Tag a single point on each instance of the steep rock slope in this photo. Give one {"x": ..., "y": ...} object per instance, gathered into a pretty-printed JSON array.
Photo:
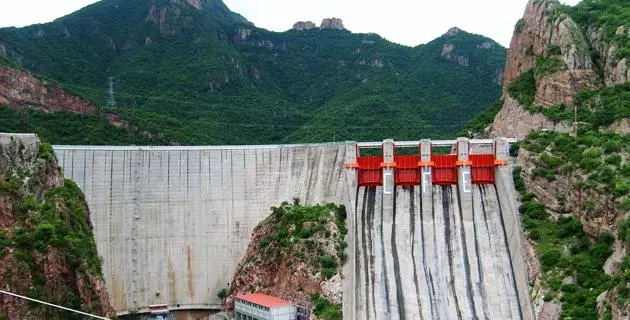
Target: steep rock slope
[
  {"x": 567, "y": 64},
  {"x": 552, "y": 58},
  {"x": 19, "y": 89},
  {"x": 201, "y": 74},
  {"x": 297, "y": 253},
  {"x": 47, "y": 248}
]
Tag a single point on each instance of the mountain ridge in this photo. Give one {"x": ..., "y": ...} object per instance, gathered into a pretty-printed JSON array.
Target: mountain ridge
[{"x": 212, "y": 78}]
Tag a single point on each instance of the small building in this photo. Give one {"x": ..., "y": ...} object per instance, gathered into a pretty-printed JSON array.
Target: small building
[{"x": 257, "y": 306}]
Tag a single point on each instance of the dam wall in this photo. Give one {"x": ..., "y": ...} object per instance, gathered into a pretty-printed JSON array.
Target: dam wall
[
  {"x": 429, "y": 236},
  {"x": 173, "y": 223}
]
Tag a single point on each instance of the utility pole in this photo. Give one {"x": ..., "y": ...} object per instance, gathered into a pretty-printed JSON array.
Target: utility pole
[
  {"x": 111, "y": 102},
  {"x": 23, "y": 119}
]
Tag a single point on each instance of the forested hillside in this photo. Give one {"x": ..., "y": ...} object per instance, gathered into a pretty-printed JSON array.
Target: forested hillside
[
  {"x": 193, "y": 72},
  {"x": 567, "y": 95}
]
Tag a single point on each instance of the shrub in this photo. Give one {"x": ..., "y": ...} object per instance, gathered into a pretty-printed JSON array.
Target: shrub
[
  {"x": 325, "y": 310},
  {"x": 547, "y": 66},
  {"x": 520, "y": 25},
  {"x": 328, "y": 262},
  {"x": 523, "y": 88},
  {"x": 46, "y": 152},
  {"x": 569, "y": 227},
  {"x": 550, "y": 258},
  {"x": 624, "y": 229}
]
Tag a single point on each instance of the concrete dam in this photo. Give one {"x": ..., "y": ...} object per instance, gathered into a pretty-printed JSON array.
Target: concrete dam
[{"x": 430, "y": 236}]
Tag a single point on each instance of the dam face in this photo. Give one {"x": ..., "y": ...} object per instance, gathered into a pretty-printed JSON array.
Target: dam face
[
  {"x": 172, "y": 224},
  {"x": 430, "y": 237}
]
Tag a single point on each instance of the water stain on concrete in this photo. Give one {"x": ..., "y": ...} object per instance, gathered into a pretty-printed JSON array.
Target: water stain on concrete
[
  {"x": 191, "y": 289},
  {"x": 172, "y": 286}
]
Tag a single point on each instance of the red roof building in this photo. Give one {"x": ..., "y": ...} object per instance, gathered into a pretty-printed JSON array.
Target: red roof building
[{"x": 258, "y": 306}]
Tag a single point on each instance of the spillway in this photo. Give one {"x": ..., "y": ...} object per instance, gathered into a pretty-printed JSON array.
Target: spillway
[
  {"x": 172, "y": 224},
  {"x": 426, "y": 261}
]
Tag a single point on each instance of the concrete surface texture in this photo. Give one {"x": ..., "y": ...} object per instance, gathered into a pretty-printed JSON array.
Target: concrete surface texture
[
  {"x": 414, "y": 263},
  {"x": 172, "y": 224}
]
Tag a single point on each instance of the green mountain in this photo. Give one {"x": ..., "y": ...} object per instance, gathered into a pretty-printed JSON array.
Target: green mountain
[{"x": 194, "y": 72}]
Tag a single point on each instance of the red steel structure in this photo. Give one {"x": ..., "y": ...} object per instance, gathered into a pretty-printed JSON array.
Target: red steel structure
[
  {"x": 407, "y": 169},
  {"x": 444, "y": 169},
  {"x": 370, "y": 171},
  {"x": 482, "y": 168},
  {"x": 407, "y": 172}
]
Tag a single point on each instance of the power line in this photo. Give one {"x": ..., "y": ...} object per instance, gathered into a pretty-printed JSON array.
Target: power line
[{"x": 53, "y": 305}]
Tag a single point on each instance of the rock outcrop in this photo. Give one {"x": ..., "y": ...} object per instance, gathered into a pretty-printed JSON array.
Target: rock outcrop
[
  {"x": 304, "y": 25},
  {"x": 332, "y": 23},
  {"x": 19, "y": 89},
  {"x": 293, "y": 258},
  {"x": 42, "y": 220},
  {"x": 541, "y": 33}
]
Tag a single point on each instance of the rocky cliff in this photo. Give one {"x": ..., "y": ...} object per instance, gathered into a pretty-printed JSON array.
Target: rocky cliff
[
  {"x": 297, "y": 254},
  {"x": 47, "y": 248},
  {"x": 332, "y": 23},
  {"x": 564, "y": 57},
  {"x": 566, "y": 64},
  {"x": 19, "y": 89},
  {"x": 304, "y": 25}
]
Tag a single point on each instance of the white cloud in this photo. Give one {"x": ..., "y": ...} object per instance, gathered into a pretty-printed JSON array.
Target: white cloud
[{"x": 410, "y": 22}]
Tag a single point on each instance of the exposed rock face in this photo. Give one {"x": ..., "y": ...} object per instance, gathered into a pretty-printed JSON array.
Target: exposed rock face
[
  {"x": 615, "y": 70},
  {"x": 3, "y": 50},
  {"x": 537, "y": 35},
  {"x": 560, "y": 196},
  {"x": 304, "y": 25},
  {"x": 514, "y": 121},
  {"x": 332, "y": 23},
  {"x": 243, "y": 35},
  {"x": 19, "y": 89},
  {"x": 49, "y": 270},
  {"x": 453, "y": 31},
  {"x": 167, "y": 18},
  {"x": 447, "y": 52},
  {"x": 195, "y": 3},
  {"x": 485, "y": 45},
  {"x": 293, "y": 271}
]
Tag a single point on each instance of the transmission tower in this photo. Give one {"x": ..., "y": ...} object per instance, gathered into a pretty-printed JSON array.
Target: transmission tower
[{"x": 111, "y": 102}]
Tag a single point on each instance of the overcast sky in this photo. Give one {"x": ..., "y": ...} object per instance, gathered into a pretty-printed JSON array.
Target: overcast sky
[{"x": 409, "y": 22}]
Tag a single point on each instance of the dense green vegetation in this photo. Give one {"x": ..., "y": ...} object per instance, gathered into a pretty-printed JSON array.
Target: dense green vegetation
[
  {"x": 609, "y": 14},
  {"x": 58, "y": 223},
  {"x": 566, "y": 252},
  {"x": 72, "y": 128},
  {"x": 298, "y": 229},
  {"x": 523, "y": 88},
  {"x": 481, "y": 121},
  {"x": 209, "y": 77},
  {"x": 595, "y": 160},
  {"x": 324, "y": 310}
]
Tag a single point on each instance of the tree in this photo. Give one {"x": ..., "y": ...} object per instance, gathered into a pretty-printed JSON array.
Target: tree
[{"x": 223, "y": 294}]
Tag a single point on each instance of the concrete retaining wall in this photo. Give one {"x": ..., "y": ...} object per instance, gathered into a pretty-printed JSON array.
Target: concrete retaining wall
[{"x": 173, "y": 223}]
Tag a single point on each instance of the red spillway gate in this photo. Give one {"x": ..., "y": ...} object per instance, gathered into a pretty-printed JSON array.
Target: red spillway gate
[
  {"x": 407, "y": 173},
  {"x": 444, "y": 169},
  {"x": 370, "y": 172},
  {"x": 482, "y": 168}
]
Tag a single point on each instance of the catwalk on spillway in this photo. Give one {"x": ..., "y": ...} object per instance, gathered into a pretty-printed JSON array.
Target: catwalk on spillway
[{"x": 427, "y": 261}]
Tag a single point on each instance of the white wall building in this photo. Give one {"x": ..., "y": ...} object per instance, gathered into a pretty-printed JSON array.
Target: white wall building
[{"x": 257, "y": 306}]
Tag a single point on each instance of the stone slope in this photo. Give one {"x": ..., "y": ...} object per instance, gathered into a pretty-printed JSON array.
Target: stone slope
[{"x": 47, "y": 249}]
